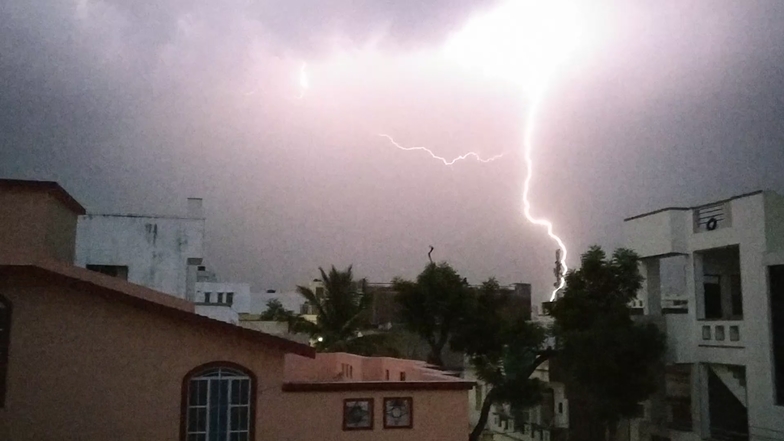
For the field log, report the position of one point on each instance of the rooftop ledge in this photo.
(353, 386)
(694, 207)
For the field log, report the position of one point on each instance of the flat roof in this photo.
(92, 282)
(660, 210)
(143, 216)
(50, 187)
(356, 386)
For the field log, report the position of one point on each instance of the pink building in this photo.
(84, 356)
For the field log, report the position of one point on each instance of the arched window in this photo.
(5, 342)
(218, 403)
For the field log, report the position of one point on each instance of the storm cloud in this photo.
(134, 106)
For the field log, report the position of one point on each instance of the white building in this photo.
(715, 283)
(222, 300)
(159, 252)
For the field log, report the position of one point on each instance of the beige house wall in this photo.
(84, 368)
(438, 416)
(329, 367)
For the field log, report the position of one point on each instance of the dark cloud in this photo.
(134, 106)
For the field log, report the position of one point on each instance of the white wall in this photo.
(757, 222)
(155, 249)
(657, 234)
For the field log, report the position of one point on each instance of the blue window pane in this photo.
(239, 391)
(239, 418)
(198, 393)
(215, 405)
(245, 392)
(196, 419)
(235, 392)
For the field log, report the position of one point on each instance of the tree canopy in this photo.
(504, 350)
(433, 305)
(276, 312)
(342, 317)
(610, 360)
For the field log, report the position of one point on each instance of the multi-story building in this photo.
(715, 283)
(160, 252)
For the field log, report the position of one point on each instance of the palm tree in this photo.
(342, 316)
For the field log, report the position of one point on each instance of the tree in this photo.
(342, 317)
(504, 351)
(433, 305)
(276, 312)
(610, 361)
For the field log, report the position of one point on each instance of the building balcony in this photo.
(659, 233)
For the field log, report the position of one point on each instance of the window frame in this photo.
(5, 348)
(371, 411)
(195, 372)
(410, 401)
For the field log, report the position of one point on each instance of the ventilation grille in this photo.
(711, 217)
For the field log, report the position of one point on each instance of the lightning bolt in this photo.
(521, 41)
(441, 158)
(527, 148)
(529, 172)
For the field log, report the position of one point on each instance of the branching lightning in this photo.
(522, 42)
(441, 158)
(527, 147)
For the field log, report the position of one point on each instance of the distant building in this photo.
(715, 284)
(159, 252)
(223, 300)
(88, 356)
(544, 422)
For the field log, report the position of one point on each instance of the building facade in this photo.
(160, 252)
(715, 284)
(88, 356)
(222, 300)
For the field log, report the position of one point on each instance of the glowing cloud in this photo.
(304, 83)
(524, 42)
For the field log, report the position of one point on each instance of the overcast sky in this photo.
(134, 106)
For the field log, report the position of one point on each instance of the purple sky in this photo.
(134, 108)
